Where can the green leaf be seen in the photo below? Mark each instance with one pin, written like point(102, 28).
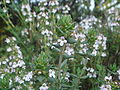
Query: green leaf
point(71, 40)
point(41, 78)
point(63, 63)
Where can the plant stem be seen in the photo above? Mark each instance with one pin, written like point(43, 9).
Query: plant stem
point(59, 66)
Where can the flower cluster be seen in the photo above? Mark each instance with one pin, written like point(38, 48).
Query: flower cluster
point(28, 77)
point(105, 87)
point(26, 11)
point(69, 50)
point(54, 6)
point(89, 21)
point(99, 43)
point(81, 37)
point(108, 78)
point(15, 60)
point(62, 41)
point(65, 75)
point(51, 51)
point(13, 64)
point(65, 9)
point(91, 73)
point(46, 33)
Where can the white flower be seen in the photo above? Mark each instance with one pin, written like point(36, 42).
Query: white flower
point(51, 73)
point(28, 77)
point(13, 89)
point(52, 3)
point(67, 76)
point(96, 46)
point(58, 16)
point(47, 33)
point(119, 74)
point(14, 65)
point(10, 63)
point(21, 63)
point(42, 8)
point(104, 38)
point(44, 87)
point(100, 37)
point(10, 82)
point(9, 49)
point(118, 71)
point(14, 38)
point(54, 11)
point(104, 47)
point(81, 45)
point(32, 1)
point(105, 87)
point(108, 78)
point(119, 77)
point(82, 35)
point(91, 70)
point(2, 76)
point(103, 54)
point(69, 50)
point(4, 10)
point(94, 75)
point(17, 47)
point(18, 79)
point(7, 1)
point(4, 62)
point(47, 23)
point(92, 5)
point(26, 10)
point(94, 53)
point(19, 88)
point(91, 73)
point(62, 41)
point(7, 40)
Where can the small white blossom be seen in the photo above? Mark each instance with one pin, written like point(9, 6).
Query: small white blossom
point(105, 87)
point(7, 1)
point(9, 49)
point(44, 87)
point(4, 10)
point(94, 53)
point(92, 5)
point(67, 76)
point(69, 50)
point(91, 73)
point(118, 71)
point(62, 41)
point(28, 77)
point(108, 78)
point(103, 54)
point(19, 80)
point(7, 40)
point(4, 62)
point(14, 38)
point(47, 33)
point(51, 73)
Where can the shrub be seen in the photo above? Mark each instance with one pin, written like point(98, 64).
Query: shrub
point(43, 48)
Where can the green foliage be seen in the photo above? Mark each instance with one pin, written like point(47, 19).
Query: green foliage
point(51, 46)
